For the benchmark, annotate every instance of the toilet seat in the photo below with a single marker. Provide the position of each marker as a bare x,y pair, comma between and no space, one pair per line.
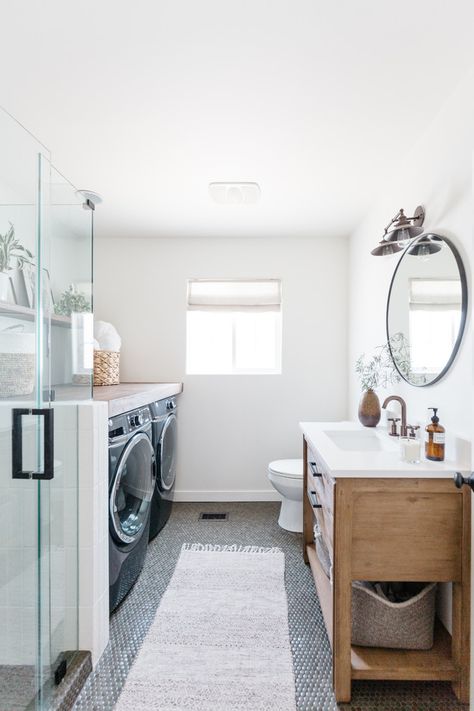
288,468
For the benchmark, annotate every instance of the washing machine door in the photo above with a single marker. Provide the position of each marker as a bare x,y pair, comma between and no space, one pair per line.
167,454
132,489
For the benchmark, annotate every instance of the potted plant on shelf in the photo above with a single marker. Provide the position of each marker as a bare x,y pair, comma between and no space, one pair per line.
72,301
13,257
374,372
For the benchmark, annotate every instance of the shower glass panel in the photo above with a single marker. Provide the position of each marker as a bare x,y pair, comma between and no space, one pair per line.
45,372
19,538
67,358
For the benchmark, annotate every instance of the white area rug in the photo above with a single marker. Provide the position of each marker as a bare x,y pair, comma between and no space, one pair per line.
220,640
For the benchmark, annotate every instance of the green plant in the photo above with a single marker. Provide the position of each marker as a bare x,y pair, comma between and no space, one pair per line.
400,349
378,370
11,249
72,301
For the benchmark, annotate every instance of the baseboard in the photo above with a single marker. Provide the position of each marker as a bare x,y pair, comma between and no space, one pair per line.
242,495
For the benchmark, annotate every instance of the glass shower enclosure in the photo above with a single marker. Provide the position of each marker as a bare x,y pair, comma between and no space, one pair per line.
46,341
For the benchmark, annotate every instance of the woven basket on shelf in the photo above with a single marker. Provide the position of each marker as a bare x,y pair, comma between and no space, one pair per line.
17,374
400,625
106,367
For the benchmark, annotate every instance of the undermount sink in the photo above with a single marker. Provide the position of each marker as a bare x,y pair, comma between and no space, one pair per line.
361,441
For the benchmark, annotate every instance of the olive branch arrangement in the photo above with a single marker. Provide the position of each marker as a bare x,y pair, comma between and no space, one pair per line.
378,370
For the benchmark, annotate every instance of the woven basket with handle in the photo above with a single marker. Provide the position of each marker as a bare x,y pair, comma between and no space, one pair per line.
106,367
401,625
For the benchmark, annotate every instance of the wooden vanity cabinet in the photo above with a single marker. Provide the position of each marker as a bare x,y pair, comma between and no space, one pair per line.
389,529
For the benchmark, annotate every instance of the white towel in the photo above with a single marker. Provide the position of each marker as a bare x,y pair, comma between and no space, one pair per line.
106,336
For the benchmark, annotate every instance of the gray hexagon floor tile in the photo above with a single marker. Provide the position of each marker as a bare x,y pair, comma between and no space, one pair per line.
248,524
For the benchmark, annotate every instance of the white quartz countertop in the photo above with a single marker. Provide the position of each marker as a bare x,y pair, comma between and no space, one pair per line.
379,457
128,396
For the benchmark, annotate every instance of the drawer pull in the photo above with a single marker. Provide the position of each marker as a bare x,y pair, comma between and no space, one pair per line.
314,500
314,470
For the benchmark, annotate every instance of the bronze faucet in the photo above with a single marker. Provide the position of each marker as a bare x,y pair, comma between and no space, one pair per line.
403,405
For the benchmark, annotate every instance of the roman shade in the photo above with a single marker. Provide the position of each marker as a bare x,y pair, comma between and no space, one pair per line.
234,295
436,294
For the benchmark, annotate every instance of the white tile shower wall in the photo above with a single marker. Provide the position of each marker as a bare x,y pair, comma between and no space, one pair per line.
93,529
437,173
231,426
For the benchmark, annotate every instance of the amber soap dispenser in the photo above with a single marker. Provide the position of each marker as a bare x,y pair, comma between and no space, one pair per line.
435,438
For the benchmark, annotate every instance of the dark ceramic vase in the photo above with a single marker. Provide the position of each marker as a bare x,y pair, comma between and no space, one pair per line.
369,409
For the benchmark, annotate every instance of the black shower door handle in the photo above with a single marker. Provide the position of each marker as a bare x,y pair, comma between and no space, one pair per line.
17,444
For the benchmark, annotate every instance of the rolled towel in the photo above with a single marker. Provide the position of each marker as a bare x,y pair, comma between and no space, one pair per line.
106,336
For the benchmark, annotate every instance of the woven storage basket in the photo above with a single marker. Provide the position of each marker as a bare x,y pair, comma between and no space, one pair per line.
377,622
106,367
17,374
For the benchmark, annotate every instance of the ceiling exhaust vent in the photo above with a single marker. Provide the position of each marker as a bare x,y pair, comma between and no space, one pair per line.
234,193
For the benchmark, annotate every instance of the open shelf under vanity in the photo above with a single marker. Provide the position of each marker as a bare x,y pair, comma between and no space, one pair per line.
389,664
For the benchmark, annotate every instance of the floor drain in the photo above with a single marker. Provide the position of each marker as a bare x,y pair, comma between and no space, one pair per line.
213,516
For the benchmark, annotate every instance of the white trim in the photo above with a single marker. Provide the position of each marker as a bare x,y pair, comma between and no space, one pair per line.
224,496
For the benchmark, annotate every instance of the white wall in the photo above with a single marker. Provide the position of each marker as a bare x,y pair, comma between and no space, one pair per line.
436,174
231,426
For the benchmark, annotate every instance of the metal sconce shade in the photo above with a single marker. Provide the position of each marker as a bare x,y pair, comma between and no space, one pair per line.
400,230
405,234
425,246
385,248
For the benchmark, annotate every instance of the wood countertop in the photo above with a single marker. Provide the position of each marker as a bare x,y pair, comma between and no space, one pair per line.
128,396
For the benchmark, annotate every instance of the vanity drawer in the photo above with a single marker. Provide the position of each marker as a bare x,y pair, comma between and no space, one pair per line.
323,515
321,480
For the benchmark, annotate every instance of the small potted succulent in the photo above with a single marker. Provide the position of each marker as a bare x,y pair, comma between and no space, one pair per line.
13,257
377,371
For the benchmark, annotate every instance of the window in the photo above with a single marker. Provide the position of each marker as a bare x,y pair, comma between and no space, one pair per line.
434,319
234,327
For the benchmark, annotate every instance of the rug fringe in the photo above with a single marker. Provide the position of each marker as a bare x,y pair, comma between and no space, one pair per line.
205,547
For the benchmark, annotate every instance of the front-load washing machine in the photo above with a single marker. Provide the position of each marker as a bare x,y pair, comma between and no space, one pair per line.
164,423
131,487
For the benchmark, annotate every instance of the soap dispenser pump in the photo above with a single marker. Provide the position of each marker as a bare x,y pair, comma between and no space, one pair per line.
435,438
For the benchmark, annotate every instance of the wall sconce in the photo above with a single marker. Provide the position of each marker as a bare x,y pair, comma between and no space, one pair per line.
400,230
426,245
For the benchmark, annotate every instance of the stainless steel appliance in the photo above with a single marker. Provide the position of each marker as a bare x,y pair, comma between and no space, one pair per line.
164,424
131,486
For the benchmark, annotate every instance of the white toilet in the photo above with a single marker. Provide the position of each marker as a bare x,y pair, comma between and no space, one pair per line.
286,475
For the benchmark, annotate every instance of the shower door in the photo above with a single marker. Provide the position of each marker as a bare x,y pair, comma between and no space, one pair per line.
45,372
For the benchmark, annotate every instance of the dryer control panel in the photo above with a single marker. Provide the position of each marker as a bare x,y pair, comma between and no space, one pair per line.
162,408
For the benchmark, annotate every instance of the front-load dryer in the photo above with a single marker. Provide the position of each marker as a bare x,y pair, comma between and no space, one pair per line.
131,487
164,424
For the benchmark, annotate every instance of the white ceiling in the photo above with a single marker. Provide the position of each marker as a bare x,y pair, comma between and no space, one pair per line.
146,102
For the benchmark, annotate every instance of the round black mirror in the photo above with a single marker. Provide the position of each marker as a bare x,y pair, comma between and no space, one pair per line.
426,309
